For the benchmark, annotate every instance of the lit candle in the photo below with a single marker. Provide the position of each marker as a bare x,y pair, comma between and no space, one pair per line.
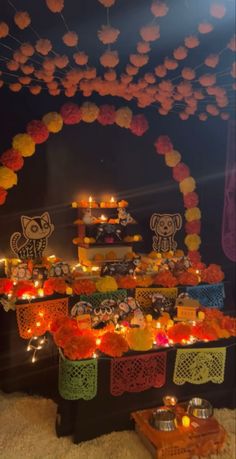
103,218
74,205
112,199
170,400
90,201
40,292
185,421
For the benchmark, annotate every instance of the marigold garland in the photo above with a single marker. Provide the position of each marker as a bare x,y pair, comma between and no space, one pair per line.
179,332
55,6
123,117
89,112
3,195
80,347
53,121
22,19
38,131
71,113
165,279
6,285
12,159
83,287
107,115
213,274
24,144
8,178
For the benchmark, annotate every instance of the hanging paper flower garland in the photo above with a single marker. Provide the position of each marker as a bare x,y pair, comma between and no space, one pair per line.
4,30
55,6
22,19
187,185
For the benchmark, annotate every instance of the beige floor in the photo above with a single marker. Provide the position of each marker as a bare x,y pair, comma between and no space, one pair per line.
27,432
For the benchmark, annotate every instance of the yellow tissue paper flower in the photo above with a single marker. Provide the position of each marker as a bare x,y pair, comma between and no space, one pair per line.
106,284
187,185
172,158
24,144
123,117
192,213
139,339
8,178
192,241
53,121
90,112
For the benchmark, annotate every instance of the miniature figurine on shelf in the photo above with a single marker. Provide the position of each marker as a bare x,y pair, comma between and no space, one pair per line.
124,218
138,319
21,272
128,306
88,218
187,307
108,233
60,269
178,266
161,304
80,308
120,267
165,227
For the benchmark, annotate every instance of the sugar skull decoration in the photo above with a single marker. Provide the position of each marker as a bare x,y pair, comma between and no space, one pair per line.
60,269
20,272
165,226
129,306
36,231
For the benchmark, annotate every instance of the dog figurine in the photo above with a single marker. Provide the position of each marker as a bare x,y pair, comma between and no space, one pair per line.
165,227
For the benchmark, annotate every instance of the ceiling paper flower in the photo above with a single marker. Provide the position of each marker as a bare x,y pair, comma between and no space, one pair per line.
205,27
70,39
107,115
43,46
138,60
131,70
160,71
55,6
35,90
19,57
109,59
107,3
159,9
61,61
212,109
232,43
25,80
123,117
24,144
49,64
22,19
207,80
191,41
143,47
70,113
188,73
80,58
110,75
139,125
183,116
4,30
27,69
217,10
170,64
212,60
108,34
180,53
89,112
185,88
27,49
12,65
150,32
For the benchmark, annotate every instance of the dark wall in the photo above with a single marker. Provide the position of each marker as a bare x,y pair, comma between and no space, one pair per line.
91,159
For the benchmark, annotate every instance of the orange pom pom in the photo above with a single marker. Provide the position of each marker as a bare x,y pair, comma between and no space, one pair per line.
22,19
107,3
160,71
205,27
12,65
143,47
170,64
180,53
61,61
27,69
4,29
55,6
43,46
188,73
35,90
191,41
109,59
232,43
207,80
138,60
202,116
70,39
15,87
27,49
212,60
150,32
159,9
217,10
131,70
108,34
80,58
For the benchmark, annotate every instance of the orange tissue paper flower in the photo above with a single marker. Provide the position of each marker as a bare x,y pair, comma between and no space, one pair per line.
80,58
191,41
113,344
107,3
22,19
35,90
43,46
170,64
188,73
150,32
123,117
109,59
108,34
160,71
179,332
212,60
55,6
82,346
4,29
138,60
180,53
89,112
217,10
143,47
70,38
165,279
24,287
83,287
54,284
213,274
188,278
205,27
6,286
159,8
203,330
70,113
107,115
127,282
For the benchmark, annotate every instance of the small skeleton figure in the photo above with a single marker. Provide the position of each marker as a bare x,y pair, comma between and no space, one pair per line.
124,217
88,218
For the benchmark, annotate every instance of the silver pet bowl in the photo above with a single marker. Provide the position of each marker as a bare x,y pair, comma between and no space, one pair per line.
200,408
163,420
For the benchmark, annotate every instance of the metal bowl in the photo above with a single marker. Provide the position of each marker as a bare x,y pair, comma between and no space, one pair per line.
163,420
200,408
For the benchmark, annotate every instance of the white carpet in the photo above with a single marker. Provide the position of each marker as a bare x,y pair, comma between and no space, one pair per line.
27,432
